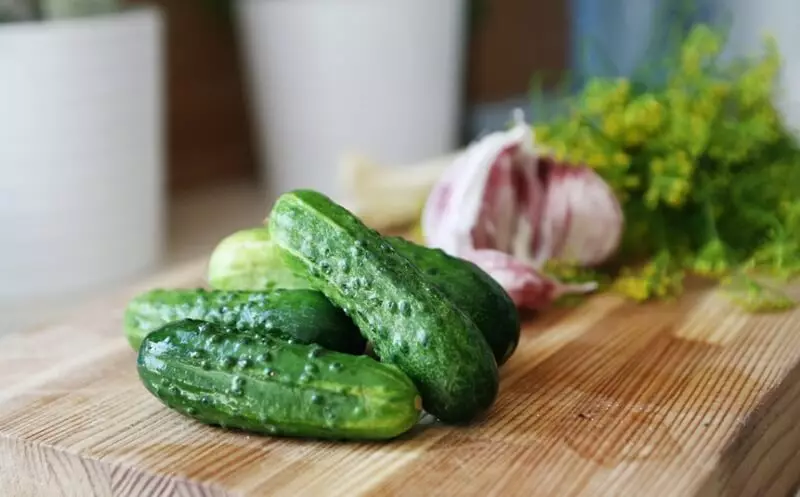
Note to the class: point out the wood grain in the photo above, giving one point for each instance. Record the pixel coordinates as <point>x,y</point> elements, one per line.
<point>684,398</point>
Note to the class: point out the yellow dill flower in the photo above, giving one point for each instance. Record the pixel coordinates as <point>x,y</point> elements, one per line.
<point>712,261</point>
<point>621,159</point>
<point>654,115</point>
<point>720,90</point>
<point>613,125</point>
<point>634,137</point>
<point>631,181</point>
<point>559,151</point>
<point>676,192</point>
<point>677,99</point>
<point>690,62</point>
<point>704,109</point>
<point>657,166</point>
<point>681,163</point>
<point>597,160</point>
<point>632,287</point>
<point>755,296</point>
<point>622,91</point>
<point>541,132</point>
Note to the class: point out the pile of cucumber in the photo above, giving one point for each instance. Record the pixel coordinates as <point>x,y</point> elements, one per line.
<point>279,343</point>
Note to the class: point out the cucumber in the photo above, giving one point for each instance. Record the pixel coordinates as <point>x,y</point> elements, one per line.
<point>305,316</point>
<point>410,322</point>
<point>240,380</point>
<point>468,286</point>
<point>473,291</point>
<point>246,260</point>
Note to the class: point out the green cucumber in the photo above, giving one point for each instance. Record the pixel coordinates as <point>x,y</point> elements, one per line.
<point>408,319</point>
<point>473,291</point>
<point>246,260</point>
<point>468,286</point>
<point>240,380</point>
<point>305,316</point>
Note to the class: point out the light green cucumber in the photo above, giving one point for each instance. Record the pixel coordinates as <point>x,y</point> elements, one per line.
<point>245,260</point>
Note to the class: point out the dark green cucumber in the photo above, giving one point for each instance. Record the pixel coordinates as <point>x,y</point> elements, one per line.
<point>408,319</point>
<point>258,383</point>
<point>468,286</point>
<point>305,316</point>
<point>245,260</point>
<point>473,291</point>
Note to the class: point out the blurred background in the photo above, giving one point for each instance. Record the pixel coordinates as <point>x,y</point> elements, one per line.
<point>134,134</point>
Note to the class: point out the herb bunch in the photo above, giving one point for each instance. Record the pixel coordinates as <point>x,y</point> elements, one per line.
<point>706,171</point>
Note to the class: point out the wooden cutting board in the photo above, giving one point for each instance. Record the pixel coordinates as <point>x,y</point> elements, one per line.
<point>684,398</point>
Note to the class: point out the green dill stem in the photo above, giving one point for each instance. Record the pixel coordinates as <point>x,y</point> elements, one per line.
<point>711,223</point>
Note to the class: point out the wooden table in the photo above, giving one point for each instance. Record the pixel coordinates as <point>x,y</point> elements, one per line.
<point>684,398</point>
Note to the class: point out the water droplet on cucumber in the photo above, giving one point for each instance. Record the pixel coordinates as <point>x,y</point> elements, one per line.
<point>237,385</point>
<point>330,417</point>
<point>404,308</point>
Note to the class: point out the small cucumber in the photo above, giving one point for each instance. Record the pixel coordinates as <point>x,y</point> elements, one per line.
<point>305,316</point>
<point>408,319</point>
<point>473,291</point>
<point>469,287</point>
<point>246,260</point>
<point>220,376</point>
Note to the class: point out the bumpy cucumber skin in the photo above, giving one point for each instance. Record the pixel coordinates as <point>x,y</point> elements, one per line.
<point>239,380</point>
<point>468,286</point>
<point>408,319</point>
<point>247,260</point>
<point>305,316</point>
<point>473,291</point>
